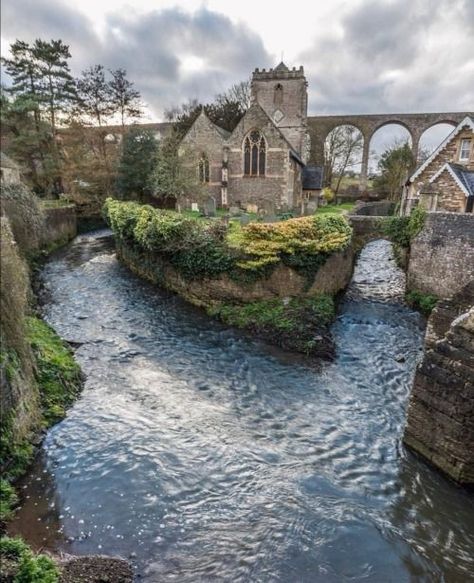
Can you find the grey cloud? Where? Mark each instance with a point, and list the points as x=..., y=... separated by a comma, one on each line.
x=403, y=55
x=150, y=46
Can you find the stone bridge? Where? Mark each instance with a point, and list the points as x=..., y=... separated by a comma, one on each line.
x=415, y=123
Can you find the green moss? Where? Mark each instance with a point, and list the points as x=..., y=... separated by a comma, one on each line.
x=58, y=374
x=422, y=302
x=20, y=565
x=296, y=324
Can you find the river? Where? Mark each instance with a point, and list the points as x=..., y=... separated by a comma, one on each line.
x=204, y=455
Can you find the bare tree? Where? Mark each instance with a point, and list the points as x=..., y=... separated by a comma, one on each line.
x=342, y=150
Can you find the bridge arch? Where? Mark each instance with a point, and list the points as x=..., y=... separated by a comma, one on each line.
x=432, y=136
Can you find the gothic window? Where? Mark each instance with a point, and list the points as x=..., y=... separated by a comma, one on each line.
x=278, y=95
x=203, y=168
x=254, y=154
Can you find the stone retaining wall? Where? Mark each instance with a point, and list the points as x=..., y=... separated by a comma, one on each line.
x=331, y=278
x=440, y=420
x=442, y=254
x=60, y=225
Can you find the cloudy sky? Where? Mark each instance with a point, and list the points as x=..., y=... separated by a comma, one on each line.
x=360, y=56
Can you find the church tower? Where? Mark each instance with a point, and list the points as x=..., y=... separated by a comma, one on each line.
x=282, y=94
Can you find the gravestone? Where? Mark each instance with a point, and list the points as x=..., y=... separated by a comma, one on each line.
x=235, y=211
x=194, y=206
x=210, y=207
x=252, y=208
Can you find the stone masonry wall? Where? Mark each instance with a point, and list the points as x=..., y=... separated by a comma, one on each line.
x=442, y=255
x=440, y=419
x=60, y=225
x=284, y=282
x=450, y=198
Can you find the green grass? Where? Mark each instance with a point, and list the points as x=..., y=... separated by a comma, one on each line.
x=293, y=323
x=331, y=209
x=58, y=374
x=19, y=564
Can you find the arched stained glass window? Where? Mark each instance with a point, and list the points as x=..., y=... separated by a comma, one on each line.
x=203, y=168
x=255, y=151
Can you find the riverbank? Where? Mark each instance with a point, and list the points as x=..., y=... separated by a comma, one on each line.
x=40, y=378
x=277, y=281
x=199, y=453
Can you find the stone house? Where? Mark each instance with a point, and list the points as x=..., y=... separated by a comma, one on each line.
x=445, y=180
x=262, y=162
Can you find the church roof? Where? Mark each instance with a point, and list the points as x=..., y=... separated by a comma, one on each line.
x=463, y=177
x=312, y=177
x=281, y=68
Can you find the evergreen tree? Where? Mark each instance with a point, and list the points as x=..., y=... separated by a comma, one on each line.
x=125, y=99
x=139, y=157
x=57, y=89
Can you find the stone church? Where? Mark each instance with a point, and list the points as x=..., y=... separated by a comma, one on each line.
x=262, y=162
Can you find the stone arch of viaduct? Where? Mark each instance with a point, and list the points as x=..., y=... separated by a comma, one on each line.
x=415, y=123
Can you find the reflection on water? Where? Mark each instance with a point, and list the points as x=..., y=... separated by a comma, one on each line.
x=205, y=457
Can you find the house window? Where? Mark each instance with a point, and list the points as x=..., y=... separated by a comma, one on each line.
x=465, y=149
x=254, y=154
x=204, y=168
x=278, y=95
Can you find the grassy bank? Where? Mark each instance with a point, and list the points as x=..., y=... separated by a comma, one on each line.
x=58, y=382
x=299, y=324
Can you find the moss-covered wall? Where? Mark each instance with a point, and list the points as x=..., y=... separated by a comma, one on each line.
x=332, y=277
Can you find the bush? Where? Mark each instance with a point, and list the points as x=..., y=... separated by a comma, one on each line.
x=20, y=565
x=402, y=230
x=8, y=500
x=199, y=248
x=422, y=302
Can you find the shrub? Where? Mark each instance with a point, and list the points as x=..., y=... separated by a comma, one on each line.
x=422, y=302
x=8, y=500
x=328, y=194
x=402, y=230
x=199, y=248
x=296, y=241
x=20, y=565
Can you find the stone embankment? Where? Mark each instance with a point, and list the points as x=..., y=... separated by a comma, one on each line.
x=442, y=254
x=440, y=421
x=331, y=278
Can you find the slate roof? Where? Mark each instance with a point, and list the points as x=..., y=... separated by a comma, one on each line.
x=464, y=177
x=313, y=177
x=282, y=68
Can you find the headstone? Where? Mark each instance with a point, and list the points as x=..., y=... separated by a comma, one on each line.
x=252, y=208
x=311, y=207
x=194, y=206
x=235, y=211
x=210, y=207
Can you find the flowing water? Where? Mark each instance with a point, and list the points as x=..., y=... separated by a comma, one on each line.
x=204, y=455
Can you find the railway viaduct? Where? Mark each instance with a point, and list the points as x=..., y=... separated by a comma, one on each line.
x=415, y=123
